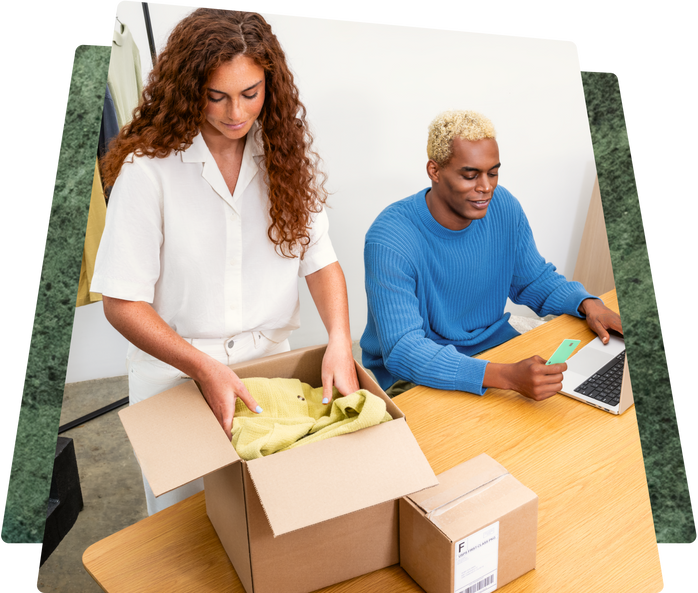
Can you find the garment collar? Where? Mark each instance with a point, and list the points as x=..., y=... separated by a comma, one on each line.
x=120, y=34
x=433, y=225
x=198, y=152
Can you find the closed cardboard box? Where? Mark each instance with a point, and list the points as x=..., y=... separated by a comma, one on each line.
x=297, y=520
x=473, y=533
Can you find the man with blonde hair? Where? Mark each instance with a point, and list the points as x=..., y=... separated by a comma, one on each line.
x=441, y=264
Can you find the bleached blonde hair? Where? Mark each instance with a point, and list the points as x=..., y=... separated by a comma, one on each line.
x=468, y=125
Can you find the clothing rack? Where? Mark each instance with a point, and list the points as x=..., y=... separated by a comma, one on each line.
x=149, y=32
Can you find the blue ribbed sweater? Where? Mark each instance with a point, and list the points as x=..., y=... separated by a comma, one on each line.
x=436, y=297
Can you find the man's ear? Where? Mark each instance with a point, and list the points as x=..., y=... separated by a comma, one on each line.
x=433, y=170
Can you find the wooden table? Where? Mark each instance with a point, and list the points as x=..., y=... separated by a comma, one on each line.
x=595, y=529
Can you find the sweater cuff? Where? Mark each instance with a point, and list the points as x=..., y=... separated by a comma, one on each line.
x=470, y=375
x=572, y=302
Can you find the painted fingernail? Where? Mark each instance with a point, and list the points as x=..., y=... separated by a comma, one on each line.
x=258, y=410
x=325, y=400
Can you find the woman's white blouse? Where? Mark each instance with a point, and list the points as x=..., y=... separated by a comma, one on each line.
x=176, y=238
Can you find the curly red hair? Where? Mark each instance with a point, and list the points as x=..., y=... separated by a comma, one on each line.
x=171, y=112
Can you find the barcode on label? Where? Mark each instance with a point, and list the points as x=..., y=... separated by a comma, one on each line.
x=479, y=586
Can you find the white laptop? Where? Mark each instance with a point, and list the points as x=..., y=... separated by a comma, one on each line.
x=598, y=375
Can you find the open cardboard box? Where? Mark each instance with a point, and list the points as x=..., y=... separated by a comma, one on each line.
x=475, y=531
x=297, y=520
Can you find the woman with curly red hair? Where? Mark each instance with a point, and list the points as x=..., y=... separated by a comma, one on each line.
x=216, y=210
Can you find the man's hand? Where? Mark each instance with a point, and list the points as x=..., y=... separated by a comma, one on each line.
x=221, y=387
x=530, y=377
x=600, y=318
x=338, y=369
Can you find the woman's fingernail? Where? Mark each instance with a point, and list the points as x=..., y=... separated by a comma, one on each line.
x=325, y=400
x=258, y=410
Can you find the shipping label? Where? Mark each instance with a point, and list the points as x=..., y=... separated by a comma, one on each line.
x=476, y=561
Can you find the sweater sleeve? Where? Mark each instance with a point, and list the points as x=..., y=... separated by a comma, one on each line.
x=536, y=283
x=391, y=288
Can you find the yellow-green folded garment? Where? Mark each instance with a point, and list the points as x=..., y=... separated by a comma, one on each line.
x=295, y=415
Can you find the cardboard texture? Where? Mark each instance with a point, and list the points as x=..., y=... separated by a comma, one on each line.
x=283, y=518
x=478, y=508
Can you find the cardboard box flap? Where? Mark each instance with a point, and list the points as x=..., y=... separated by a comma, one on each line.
x=471, y=496
x=176, y=437
x=340, y=475
x=458, y=481
x=484, y=506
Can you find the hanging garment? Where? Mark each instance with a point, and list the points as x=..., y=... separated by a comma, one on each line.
x=93, y=235
x=124, y=79
x=109, y=126
x=294, y=415
x=98, y=212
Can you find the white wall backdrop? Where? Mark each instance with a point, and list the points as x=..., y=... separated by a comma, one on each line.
x=371, y=91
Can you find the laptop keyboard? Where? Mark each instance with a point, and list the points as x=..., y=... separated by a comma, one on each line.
x=604, y=385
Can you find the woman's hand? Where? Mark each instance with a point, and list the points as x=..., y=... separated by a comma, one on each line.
x=338, y=369
x=221, y=387
x=140, y=324
x=329, y=291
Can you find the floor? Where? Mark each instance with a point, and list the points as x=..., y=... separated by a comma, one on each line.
x=110, y=478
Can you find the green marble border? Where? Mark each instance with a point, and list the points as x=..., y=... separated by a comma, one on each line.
x=48, y=356
x=661, y=446
x=35, y=444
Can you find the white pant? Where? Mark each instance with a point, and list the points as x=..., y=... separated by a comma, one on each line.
x=148, y=376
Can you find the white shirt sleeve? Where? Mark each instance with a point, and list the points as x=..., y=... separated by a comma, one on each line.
x=128, y=261
x=320, y=252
